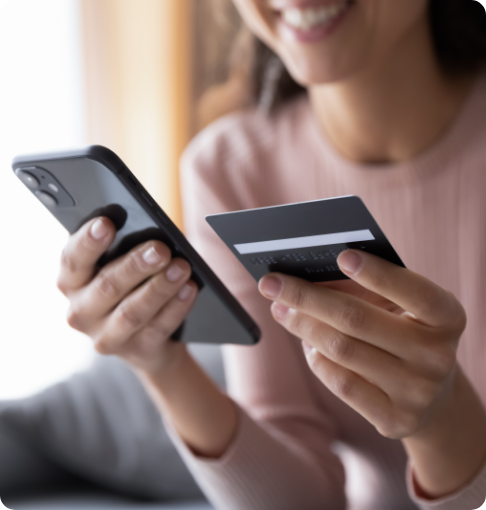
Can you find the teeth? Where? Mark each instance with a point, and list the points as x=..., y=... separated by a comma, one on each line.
x=311, y=16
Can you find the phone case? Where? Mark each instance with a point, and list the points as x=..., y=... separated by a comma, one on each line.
x=81, y=184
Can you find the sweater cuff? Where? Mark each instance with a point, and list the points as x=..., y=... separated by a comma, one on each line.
x=262, y=470
x=223, y=479
x=470, y=497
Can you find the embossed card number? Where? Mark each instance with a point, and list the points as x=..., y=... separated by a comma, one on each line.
x=302, y=239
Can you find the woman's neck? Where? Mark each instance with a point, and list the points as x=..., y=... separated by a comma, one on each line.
x=392, y=110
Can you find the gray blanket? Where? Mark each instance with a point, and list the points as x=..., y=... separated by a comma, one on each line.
x=101, y=426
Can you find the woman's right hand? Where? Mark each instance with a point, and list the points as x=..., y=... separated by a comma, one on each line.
x=133, y=305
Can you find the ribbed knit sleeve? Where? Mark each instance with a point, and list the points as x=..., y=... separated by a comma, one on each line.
x=281, y=457
x=433, y=211
x=469, y=498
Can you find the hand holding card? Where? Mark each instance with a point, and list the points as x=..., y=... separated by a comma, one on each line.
x=384, y=341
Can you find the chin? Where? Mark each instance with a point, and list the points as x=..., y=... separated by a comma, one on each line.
x=316, y=72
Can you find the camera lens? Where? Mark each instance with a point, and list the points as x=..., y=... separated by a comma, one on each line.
x=46, y=199
x=29, y=179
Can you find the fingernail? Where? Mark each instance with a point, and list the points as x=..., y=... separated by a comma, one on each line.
x=151, y=256
x=174, y=273
x=185, y=293
x=350, y=261
x=271, y=286
x=279, y=311
x=98, y=230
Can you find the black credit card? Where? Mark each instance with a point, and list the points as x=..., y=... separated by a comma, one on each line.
x=302, y=239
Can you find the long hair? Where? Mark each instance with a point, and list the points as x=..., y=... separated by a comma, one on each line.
x=249, y=73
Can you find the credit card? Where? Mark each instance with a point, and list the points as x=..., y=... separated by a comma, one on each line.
x=302, y=239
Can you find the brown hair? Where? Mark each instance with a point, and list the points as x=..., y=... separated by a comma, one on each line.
x=241, y=71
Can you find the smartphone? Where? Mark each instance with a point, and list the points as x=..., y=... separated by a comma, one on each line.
x=79, y=185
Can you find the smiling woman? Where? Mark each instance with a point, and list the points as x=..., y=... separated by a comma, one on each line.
x=257, y=75
x=380, y=374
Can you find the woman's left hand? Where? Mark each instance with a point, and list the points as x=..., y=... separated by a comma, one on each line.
x=385, y=343
x=391, y=353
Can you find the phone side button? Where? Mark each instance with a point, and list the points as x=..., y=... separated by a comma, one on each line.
x=147, y=199
x=163, y=217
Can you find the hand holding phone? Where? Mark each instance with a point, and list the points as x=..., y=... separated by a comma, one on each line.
x=81, y=185
x=132, y=306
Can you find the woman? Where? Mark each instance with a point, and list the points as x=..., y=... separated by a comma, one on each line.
x=393, y=114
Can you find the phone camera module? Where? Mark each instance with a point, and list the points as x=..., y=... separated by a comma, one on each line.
x=47, y=199
x=29, y=179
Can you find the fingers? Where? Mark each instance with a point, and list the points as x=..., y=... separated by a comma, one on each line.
x=148, y=340
x=84, y=248
x=365, y=398
x=118, y=279
x=343, y=312
x=396, y=414
x=428, y=302
x=140, y=308
x=373, y=364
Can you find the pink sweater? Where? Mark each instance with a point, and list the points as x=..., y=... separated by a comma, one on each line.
x=298, y=446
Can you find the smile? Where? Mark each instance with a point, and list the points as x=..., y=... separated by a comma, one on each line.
x=310, y=17
x=313, y=19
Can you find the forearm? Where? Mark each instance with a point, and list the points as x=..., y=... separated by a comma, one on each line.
x=203, y=416
x=449, y=452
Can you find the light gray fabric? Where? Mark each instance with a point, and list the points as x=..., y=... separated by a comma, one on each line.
x=84, y=502
x=22, y=466
x=101, y=425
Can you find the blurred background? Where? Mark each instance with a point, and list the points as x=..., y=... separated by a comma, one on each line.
x=120, y=73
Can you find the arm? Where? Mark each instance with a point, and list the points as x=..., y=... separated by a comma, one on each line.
x=275, y=456
x=204, y=418
x=388, y=350
x=131, y=308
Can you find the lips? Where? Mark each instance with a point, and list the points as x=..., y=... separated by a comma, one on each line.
x=307, y=18
x=310, y=21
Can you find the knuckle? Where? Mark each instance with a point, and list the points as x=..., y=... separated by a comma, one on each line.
x=86, y=243
x=68, y=261
x=387, y=427
x=298, y=297
x=353, y=319
x=430, y=300
x=102, y=346
x=407, y=425
x=458, y=313
x=378, y=279
x=344, y=386
x=133, y=263
x=74, y=318
x=155, y=332
x=422, y=394
x=61, y=285
x=105, y=285
x=340, y=347
x=442, y=361
x=399, y=425
x=128, y=317
x=296, y=322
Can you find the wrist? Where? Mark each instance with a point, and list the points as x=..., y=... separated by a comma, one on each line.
x=161, y=371
x=450, y=449
x=204, y=417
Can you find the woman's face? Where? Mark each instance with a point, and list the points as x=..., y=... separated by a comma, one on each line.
x=324, y=41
